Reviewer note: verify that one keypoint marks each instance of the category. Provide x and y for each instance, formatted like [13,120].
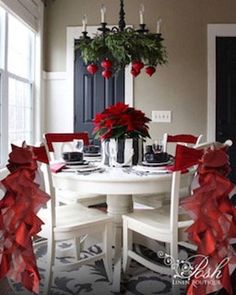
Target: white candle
[84,23]
[141,14]
[103,13]
[159,25]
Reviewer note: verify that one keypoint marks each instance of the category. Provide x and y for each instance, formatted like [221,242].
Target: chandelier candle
[141,13]
[159,25]
[103,13]
[84,23]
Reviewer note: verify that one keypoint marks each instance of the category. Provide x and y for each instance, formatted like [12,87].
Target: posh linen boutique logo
[195,267]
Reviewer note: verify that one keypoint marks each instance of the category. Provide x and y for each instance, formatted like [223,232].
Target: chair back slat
[64,137]
[185,157]
[214,144]
[42,157]
[186,139]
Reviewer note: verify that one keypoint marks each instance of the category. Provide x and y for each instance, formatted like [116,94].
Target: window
[17,56]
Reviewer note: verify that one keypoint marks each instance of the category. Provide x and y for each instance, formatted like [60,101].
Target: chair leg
[127,245]
[167,248]
[77,248]
[51,248]
[174,255]
[107,248]
[174,250]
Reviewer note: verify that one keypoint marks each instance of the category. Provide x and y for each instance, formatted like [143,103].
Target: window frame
[4,92]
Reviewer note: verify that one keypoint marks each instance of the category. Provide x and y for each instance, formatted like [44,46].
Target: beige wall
[181,85]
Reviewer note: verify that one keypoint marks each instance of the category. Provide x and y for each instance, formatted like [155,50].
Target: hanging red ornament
[107,74]
[137,65]
[106,64]
[134,72]
[150,71]
[92,68]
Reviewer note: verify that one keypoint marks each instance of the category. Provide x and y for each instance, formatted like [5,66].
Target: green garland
[122,48]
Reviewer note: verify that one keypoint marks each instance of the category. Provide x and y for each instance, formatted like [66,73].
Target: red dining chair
[186,139]
[54,143]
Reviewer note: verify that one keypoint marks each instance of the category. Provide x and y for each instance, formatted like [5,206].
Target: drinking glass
[78,145]
[157,146]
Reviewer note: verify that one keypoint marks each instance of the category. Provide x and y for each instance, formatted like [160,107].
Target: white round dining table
[119,185]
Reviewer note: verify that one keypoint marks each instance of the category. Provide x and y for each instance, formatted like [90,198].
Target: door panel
[226,95]
[93,93]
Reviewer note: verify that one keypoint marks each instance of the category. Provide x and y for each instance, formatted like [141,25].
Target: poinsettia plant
[121,121]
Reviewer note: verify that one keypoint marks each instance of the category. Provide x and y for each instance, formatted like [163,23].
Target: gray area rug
[92,279]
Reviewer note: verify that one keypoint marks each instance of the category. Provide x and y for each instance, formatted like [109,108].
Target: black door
[226,95]
[93,93]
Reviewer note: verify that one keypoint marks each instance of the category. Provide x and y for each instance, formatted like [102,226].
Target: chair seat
[156,220]
[73,217]
[71,197]
[152,200]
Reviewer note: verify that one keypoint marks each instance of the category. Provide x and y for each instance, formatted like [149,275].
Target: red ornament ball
[137,65]
[92,68]
[106,64]
[150,71]
[135,72]
[107,74]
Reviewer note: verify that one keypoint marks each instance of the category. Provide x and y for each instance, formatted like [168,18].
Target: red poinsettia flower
[121,121]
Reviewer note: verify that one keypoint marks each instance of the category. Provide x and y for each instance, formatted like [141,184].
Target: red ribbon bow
[214,223]
[18,219]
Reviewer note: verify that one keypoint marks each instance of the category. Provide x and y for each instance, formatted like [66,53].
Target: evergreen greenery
[122,48]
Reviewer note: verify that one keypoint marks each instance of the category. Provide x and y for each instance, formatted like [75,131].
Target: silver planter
[122,152]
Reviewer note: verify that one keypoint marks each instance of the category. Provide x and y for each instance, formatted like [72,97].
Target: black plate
[144,163]
[92,155]
[84,162]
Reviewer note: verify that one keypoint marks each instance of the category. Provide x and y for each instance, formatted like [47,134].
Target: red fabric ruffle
[214,222]
[18,219]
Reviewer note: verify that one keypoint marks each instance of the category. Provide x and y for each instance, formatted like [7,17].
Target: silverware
[143,173]
[90,172]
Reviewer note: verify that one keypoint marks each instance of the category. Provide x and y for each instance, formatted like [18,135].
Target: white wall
[58,113]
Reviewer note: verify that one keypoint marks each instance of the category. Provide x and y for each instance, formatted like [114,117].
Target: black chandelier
[116,48]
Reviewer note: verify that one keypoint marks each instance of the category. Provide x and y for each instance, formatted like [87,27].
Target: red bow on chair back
[186,157]
[18,219]
[214,224]
[186,138]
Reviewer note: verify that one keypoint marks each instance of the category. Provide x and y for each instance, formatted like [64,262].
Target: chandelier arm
[122,23]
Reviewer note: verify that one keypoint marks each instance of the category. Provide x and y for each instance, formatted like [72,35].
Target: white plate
[144,163]
[89,169]
[79,166]
[92,155]
[157,169]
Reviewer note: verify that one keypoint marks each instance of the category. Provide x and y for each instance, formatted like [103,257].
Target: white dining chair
[3,173]
[213,144]
[185,139]
[70,222]
[157,200]
[166,224]
[55,142]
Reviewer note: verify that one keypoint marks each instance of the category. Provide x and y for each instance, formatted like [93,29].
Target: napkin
[57,167]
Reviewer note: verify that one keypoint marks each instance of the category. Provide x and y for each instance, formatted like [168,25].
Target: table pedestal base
[117,205]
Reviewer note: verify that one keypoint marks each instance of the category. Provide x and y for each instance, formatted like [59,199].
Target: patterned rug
[92,279]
